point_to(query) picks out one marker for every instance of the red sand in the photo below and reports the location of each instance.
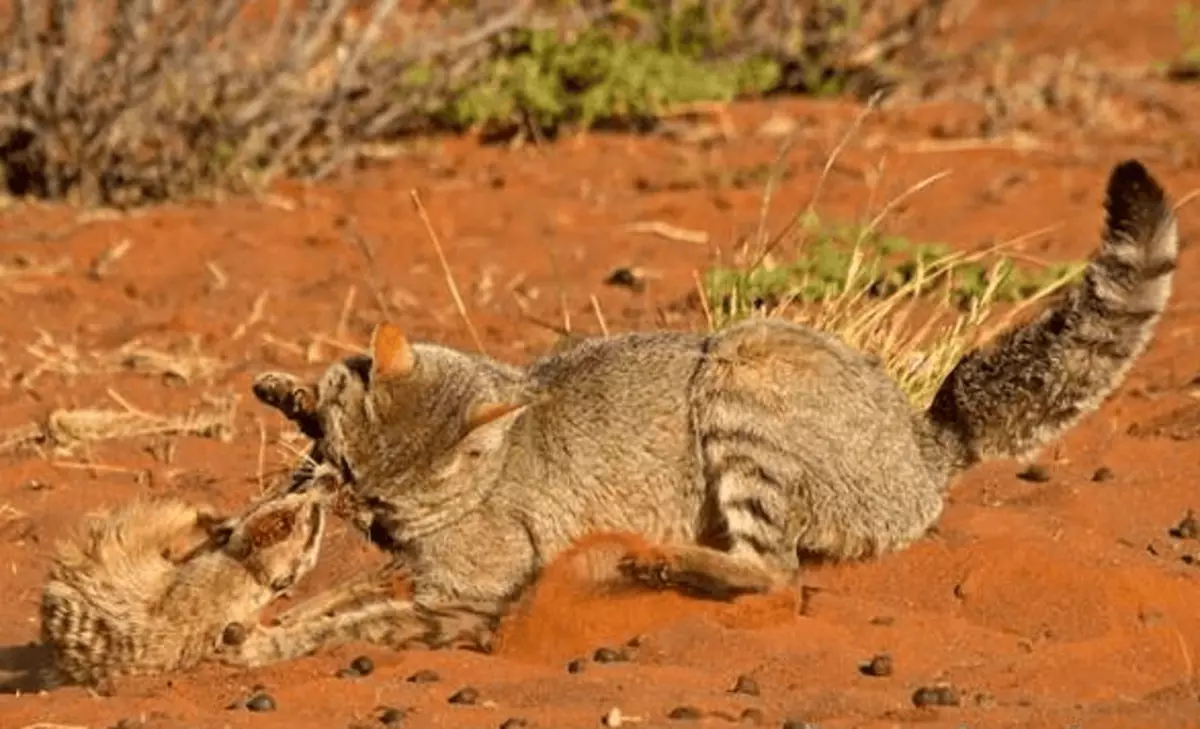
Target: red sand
(1044, 604)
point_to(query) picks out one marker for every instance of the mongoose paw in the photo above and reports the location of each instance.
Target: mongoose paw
(654, 571)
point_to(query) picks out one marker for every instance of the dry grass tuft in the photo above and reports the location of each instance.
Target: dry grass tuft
(920, 327)
(181, 363)
(918, 338)
(67, 430)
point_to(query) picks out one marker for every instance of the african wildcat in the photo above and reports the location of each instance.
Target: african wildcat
(739, 451)
(152, 585)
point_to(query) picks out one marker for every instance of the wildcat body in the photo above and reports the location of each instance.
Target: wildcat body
(739, 451)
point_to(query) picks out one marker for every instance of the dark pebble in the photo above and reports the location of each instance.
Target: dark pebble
(362, 666)
(626, 277)
(634, 642)
(576, 666)
(260, 702)
(124, 724)
(879, 666)
(608, 655)
(1188, 527)
(688, 713)
(1102, 474)
(391, 716)
(514, 723)
(425, 675)
(465, 696)
(753, 716)
(798, 724)
(745, 685)
(233, 634)
(1036, 473)
(935, 696)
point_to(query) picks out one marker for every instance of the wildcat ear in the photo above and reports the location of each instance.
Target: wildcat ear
(487, 412)
(285, 393)
(391, 353)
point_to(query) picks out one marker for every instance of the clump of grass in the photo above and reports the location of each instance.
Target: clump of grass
(68, 430)
(1186, 66)
(137, 102)
(919, 307)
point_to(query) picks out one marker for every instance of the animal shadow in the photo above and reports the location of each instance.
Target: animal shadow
(24, 668)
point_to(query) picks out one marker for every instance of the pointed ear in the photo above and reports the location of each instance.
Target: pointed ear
(270, 528)
(487, 412)
(391, 354)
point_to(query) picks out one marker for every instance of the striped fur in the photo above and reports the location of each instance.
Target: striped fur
(151, 586)
(740, 452)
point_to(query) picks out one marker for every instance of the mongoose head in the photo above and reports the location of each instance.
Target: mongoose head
(277, 540)
(405, 413)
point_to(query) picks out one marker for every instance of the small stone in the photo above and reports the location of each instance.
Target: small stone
(514, 723)
(631, 278)
(1035, 473)
(879, 666)
(425, 675)
(234, 634)
(685, 713)
(260, 702)
(1102, 474)
(798, 724)
(608, 655)
(753, 716)
(613, 718)
(362, 666)
(390, 716)
(1188, 527)
(634, 642)
(744, 684)
(883, 620)
(935, 696)
(576, 665)
(465, 696)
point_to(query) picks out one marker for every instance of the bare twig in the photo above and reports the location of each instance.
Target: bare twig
(437, 246)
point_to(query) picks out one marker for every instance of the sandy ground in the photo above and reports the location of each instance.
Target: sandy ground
(1040, 603)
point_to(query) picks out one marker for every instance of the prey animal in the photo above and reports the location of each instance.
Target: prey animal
(159, 584)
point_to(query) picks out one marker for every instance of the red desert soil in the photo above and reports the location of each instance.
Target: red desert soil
(1044, 604)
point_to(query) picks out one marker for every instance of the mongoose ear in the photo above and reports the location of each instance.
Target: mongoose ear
(285, 393)
(391, 354)
(484, 413)
(270, 528)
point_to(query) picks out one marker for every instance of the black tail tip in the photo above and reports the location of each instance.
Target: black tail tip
(1130, 179)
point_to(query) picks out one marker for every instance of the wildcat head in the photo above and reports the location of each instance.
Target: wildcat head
(405, 410)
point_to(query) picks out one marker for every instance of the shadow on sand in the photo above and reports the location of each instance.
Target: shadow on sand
(24, 668)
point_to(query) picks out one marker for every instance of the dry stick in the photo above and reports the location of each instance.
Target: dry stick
(599, 315)
(562, 291)
(343, 323)
(1186, 199)
(372, 267)
(262, 454)
(872, 103)
(708, 316)
(437, 246)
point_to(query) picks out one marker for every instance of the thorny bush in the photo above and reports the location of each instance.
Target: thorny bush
(130, 102)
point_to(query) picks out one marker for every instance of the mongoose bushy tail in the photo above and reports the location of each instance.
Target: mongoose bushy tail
(1034, 381)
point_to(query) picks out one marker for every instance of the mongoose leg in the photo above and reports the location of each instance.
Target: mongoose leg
(701, 571)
